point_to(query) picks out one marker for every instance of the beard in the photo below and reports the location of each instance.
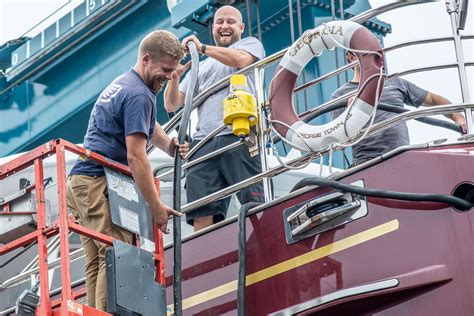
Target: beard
(226, 41)
(157, 84)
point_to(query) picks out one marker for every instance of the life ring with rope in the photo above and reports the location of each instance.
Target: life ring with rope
(344, 34)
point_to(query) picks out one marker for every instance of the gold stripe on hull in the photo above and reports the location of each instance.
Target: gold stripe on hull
(292, 263)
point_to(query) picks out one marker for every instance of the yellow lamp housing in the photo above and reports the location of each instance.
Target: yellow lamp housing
(240, 107)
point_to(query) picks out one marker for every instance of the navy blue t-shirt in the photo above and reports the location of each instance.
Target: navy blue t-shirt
(125, 107)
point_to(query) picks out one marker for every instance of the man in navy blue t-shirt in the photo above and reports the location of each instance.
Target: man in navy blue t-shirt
(121, 125)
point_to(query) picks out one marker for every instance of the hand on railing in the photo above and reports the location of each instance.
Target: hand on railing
(460, 121)
(182, 149)
(161, 214)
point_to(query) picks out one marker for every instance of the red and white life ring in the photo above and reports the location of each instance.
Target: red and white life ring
(312, 43)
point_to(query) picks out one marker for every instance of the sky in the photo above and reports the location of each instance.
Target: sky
(17, 17)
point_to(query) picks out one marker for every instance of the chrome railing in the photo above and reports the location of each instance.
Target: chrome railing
(376, 128)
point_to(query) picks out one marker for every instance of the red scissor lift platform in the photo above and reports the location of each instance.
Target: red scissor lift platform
(66, 304)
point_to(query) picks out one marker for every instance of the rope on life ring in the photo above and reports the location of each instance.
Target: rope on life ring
(312, 43)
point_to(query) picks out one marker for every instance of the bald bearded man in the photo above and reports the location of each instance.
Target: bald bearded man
(229, 54)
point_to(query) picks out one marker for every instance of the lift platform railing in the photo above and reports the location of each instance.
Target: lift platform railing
(63, 226)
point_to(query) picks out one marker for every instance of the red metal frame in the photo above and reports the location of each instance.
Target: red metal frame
(66, 305)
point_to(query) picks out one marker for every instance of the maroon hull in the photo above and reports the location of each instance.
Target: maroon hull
(427, 247)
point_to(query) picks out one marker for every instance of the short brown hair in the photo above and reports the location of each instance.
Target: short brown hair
(160, 43)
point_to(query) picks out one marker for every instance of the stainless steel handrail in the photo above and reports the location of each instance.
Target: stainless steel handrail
(453, 12)
(445, 109)
(363, 17)
(427, 68)
(205, 157)
(308, 115)
(418, 113)
(325, 76)
(386, 49)
(426, 41)
(211, 135)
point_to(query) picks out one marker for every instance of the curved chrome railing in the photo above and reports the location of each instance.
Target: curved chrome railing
(309, 115)
(376, 128)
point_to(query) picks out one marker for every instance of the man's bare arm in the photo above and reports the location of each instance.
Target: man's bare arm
(228, 56)
(161, 140)
(174, 98)
(143, 176)
(433, 99)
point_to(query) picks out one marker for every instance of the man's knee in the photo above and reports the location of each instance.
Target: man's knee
(203, 222)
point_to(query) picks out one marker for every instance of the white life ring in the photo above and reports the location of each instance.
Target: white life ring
(312, 43)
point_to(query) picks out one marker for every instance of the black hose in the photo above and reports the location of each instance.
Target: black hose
(177, 294)
(458, 203)
(242, 240)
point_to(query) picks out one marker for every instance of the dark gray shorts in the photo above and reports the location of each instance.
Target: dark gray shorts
(220, 172)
